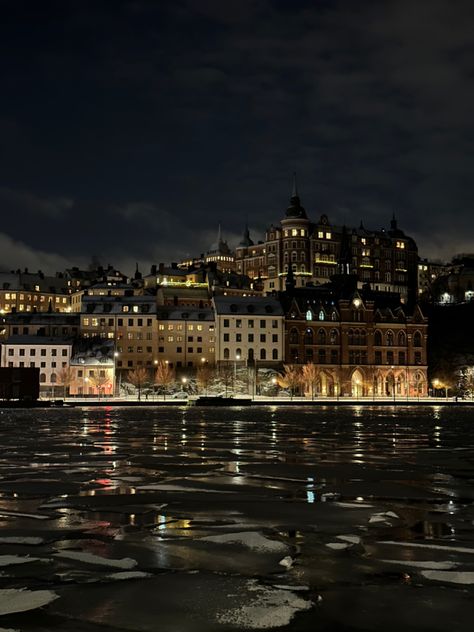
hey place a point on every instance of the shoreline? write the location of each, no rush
(261, 402)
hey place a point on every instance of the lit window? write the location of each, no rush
(320, 234)
(328, 235)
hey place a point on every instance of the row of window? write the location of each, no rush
(250, 338)
(110, 322)
(251, 356)
(250, 323)
(355, 337)
(42, 365)
(42, 298)
(32, 352)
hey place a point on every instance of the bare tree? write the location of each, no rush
(226, 375)
(100, 382)
(290, 379)
(309, 377)
(65, 378)
(138, 378)
(205, 374)
(164, 376)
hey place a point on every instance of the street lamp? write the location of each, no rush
(183, 382)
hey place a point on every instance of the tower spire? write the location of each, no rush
(294, 193)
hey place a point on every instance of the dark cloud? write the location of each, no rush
(140, 126)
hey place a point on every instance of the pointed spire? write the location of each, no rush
(294, 193)
(393, 223)
(219, 234)
(295, 210)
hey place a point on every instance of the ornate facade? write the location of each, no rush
(363, 343)
(385, 259)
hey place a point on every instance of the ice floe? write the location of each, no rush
(97, 560)
(352, 539)
(20, 599)
(250, 539)
(270, 608)
(435, 547)
(428, 564)
(338, 546)
(21, 540)
(11, 560)
(453, 577)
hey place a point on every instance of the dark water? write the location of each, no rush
(208, 519)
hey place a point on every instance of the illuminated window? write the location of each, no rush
(161, 327)
(401, 244)
(320, 234)
(95, 322)
(170, 338)
(328, 235)
(135, 309)
(170, 327)
(363, 241)
(294, 232)
(302, 232)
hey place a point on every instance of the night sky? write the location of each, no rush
(130, 129)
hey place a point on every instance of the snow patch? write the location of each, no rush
(287, 562)
(90, 558)
(352, 539)
(19, 514)
(453, 577)
(251, 539)
(11, 560)
(436, 547)
(180, 488)
(353, 505)
(383, 517)
(17, 540)
(337, 546)
(20, 599)
(271, 608)
(128, 575)
(441, 566)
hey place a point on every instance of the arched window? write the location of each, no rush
(309, 315)
(321, 315)
(53, 378)
(333, 336)
(308, 336)
(302, 267)
(378, 338)
(238, 354)
(293, 336)
(43, 378)
(389, 338)
(401, 339)
(363, 337)
(263, 354)
(321, 337)
(226, 354)
(417, 339)
(294, 256)
(350, 336)
(275, 354)
(334, 316)
(302, 256)
(251, 356)
(285, 257)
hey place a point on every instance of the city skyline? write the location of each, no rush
(148, 124)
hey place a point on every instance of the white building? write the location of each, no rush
(50, 355)
(249, 329)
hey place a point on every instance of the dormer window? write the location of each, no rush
(309, 315)
(321, 315)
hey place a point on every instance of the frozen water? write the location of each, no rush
(203, 520)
